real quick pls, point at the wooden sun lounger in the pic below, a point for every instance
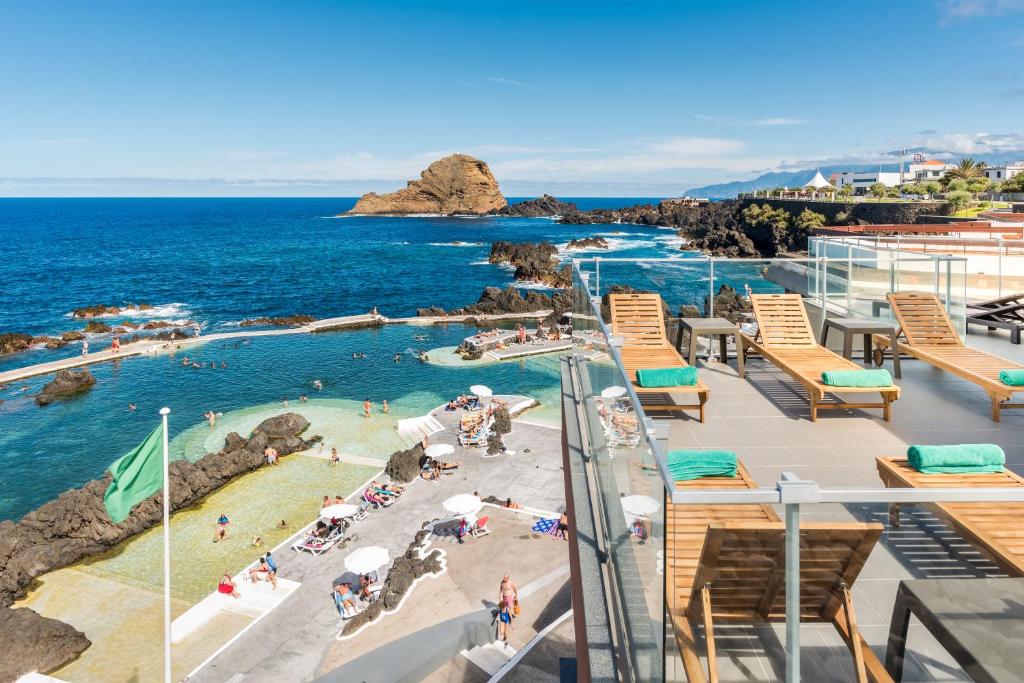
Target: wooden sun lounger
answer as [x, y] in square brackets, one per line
[931, 337]
[995, 527]
[1006, 313]
[639, 319]
[787, 340]
[727, 563]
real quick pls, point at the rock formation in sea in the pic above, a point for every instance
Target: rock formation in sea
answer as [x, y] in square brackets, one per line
[281, 321]
[102, 310]
[96, 327]
[495, 301]
[534, 262]
[33, 642]
[65, 383]
[456, 184]
[11, 342]
[596, 242]
[541, 207]
[76, 526]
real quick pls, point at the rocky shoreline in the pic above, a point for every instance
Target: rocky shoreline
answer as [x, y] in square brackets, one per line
[75, 526]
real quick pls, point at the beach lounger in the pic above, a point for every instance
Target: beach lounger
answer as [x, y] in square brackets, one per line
[726, 563]
[640, 321]
[481, 527]
[1005, 313]
[992, 526]
[786, 339]
[319, 546]
[931, 338]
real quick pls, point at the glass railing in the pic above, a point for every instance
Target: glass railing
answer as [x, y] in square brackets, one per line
[769, 575]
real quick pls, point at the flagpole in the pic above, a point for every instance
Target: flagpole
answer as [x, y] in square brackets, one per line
[167, 553]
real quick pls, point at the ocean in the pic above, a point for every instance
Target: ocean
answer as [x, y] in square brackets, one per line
[219, 261]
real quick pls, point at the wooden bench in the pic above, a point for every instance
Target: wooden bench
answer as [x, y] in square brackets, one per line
[640, 321]
[726, 563]
[931, 338]
[787, 340]
[992, 526]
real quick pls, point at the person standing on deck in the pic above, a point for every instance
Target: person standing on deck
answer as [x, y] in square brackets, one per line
[367, 407]
[85, 347]
[385, 408]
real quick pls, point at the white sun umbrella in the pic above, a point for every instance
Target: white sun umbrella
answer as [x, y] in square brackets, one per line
[339, 510]
[613, 392]
[463, 504]
[481, 390]
[366, 560]
[639, 505]
[437, 450]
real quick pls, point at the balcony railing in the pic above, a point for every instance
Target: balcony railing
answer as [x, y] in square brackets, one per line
[625, 452]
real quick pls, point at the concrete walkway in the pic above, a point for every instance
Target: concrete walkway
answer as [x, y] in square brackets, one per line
[291, 642]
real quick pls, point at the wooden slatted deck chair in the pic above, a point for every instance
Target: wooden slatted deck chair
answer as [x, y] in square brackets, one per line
[639, 319]
[1006, 313]
[726, 563]
[785, 338]
[931, 337]
[994, 527]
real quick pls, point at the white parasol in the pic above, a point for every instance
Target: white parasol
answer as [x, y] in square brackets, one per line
[339, 511]
[481, 390]
[613, 392]
[463, 504]
[366, 560]
[639, 505]
[437, 450]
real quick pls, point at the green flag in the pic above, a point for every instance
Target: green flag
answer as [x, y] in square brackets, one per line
[137, 476]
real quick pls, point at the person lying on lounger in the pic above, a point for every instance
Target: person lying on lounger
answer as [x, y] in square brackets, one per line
[343, 598]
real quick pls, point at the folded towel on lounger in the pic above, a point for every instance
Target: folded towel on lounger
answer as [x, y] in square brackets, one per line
[686, 464]
[667, 377]
[966, 458]
[857, 378]
[1013, 378]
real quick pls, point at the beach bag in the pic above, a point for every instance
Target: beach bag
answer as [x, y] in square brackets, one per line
[515, 607]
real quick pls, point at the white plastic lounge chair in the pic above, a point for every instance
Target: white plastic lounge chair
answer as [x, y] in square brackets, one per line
[319, 546]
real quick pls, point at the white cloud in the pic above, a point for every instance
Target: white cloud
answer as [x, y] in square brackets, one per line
[501, 80]
[778, 121]
[980, 8]
[976, 143]
[249, 154]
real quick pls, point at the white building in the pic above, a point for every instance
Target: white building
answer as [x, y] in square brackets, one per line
[862, 180]
[998, 174]
[925, 171]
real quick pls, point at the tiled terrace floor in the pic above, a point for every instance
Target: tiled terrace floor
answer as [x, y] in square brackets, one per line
[765, 420]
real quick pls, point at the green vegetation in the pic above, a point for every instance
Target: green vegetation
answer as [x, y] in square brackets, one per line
[959, 200]
[931, 187]
[808, 220]
[965, 170]
[764, 215]
[1014, 184]
[877, 190]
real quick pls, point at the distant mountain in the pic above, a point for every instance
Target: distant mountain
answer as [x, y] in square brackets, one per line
[767, 181]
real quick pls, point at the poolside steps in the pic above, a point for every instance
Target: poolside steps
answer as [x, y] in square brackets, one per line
[524, 350]
[413, 429]
[257, 600]
[490, 657]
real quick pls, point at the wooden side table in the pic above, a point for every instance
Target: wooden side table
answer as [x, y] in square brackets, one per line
[851, 327]
[709, 327]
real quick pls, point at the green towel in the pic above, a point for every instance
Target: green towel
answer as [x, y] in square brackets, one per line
[1014, 378]
[666, 377]
[857, 378]
[685, 464]
[966, 458]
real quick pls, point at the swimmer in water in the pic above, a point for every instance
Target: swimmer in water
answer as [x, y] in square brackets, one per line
[131, 407]
[318, 385]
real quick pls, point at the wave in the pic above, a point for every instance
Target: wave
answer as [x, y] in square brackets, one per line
[173, 312]
[456, 244]
[613, 245]
[520, 284]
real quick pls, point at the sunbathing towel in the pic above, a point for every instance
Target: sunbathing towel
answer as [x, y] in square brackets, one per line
[857, 378]
[666, 377]
[686, 464]
[1013, 378]
[544, 526]
[964, 458]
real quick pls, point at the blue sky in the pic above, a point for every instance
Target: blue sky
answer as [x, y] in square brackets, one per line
[574, 97]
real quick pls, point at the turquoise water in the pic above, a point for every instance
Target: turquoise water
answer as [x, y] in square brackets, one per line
[44, 451]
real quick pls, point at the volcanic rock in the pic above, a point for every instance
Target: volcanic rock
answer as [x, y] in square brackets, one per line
[534, 262]
[288, 320]
[65, 383]
[545, 205]
[14, 341]
[33, 642]
[97, 327]
[502, 421]
[73, 335]
[100, 309]
[456, 184]
[405, 466]
[588, 243]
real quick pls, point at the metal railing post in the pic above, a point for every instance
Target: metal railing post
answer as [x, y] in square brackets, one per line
[824, 292]
[849, 278]
[793, 491]
[999, 261]
[711, 288]
[597, 276]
